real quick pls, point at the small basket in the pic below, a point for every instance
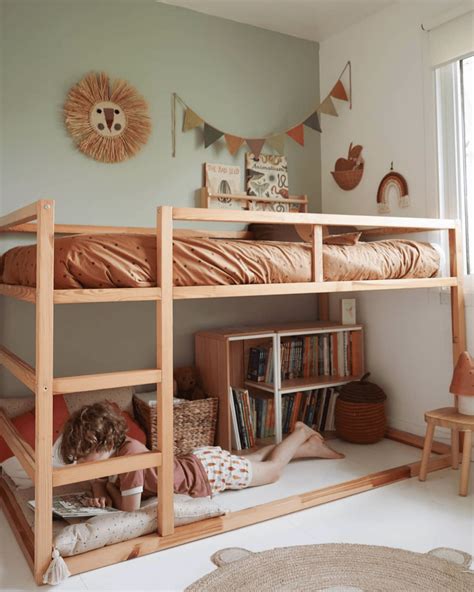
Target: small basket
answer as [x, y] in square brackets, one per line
[194, 423]
[348, 180]
[360, 412]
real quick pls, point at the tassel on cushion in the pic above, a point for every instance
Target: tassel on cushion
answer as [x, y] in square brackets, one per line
[57, 570]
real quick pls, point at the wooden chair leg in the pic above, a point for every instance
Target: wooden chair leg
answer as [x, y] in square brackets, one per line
[426, 451]
[466, 463]
[455, 448]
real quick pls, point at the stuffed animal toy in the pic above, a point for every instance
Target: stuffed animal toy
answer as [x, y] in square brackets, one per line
[189, 383]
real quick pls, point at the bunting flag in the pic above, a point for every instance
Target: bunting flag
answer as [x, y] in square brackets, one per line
[313, 122]
[211, 135]
[255, 145]
[327, 106]
[233, 143]
[191, 120]
[297, 133]
[277, 143]
[341, 90]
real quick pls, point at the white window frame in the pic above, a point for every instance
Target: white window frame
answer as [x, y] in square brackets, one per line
[451, 164]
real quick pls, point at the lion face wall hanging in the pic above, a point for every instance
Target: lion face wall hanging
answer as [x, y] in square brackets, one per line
[108, 121]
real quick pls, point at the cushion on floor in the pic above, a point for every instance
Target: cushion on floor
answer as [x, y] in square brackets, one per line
[109, 529]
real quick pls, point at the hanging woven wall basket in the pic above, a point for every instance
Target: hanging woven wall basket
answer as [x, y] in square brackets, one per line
[348, 171]
[360, 412]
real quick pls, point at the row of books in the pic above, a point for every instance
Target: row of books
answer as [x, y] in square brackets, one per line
[324, 354]
[253, 415]
[315, 408]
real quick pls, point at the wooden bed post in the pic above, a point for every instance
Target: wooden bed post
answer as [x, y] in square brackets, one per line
[458, 318]
[43, 539]
[164, 355]
[317, 271]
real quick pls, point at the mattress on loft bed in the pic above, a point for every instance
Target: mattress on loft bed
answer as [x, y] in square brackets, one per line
[93, 533]
[129, 261]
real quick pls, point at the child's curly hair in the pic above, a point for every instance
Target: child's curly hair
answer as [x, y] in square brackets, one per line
[94, 428]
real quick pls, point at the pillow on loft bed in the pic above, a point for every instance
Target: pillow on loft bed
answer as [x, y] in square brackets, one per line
[302, 233]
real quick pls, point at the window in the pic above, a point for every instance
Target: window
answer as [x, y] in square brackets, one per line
[455, 123]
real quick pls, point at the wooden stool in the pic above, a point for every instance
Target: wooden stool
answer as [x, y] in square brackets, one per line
[448, 417]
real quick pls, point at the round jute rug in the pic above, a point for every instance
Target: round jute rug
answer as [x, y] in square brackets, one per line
[338, 568]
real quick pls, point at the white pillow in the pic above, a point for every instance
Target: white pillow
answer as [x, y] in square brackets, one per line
[17, 473]
[116, 527]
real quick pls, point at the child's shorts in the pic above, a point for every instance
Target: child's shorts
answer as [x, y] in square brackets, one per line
[224, 470]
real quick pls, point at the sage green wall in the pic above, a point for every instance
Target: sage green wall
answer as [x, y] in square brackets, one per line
[243, 79]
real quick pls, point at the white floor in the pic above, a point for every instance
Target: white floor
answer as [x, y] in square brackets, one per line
[411, 515]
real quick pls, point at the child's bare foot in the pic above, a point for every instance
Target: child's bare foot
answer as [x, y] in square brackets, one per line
[309, 431]
[316, 448]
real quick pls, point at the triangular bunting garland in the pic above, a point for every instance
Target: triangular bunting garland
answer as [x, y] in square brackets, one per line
[339, 92]
[297, 133]
[327, 106]
[191, 120]
[211, 135]
[233, 143]
[277, 143]
[313, 122]
[255, 145]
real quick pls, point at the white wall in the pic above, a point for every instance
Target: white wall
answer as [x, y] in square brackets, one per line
[244, 79]
[408, 339]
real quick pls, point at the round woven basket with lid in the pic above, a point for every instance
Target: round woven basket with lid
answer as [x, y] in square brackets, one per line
[360, 412]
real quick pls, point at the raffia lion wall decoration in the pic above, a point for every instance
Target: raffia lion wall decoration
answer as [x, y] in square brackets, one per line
[108, 121]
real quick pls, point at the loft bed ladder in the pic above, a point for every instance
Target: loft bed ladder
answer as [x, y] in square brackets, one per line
[40, 380]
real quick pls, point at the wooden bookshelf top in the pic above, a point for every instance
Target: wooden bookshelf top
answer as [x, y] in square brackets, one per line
[283, 328]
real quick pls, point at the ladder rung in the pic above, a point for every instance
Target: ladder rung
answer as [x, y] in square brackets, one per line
[103, 468]
[95, 382]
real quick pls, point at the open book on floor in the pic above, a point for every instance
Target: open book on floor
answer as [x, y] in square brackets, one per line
[72, 505]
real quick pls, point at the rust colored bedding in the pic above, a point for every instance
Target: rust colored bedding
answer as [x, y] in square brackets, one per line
[129, 261]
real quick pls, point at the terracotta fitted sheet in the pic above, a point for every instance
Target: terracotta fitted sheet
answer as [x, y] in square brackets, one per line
[129, 261]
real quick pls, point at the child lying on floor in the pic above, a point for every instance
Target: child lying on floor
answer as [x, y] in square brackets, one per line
[97, 432]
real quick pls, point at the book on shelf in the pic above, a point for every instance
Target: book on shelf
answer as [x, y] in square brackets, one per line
[260, 365]
[73, 505]
[242, 415]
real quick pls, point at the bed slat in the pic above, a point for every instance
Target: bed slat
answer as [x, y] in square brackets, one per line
[95, 382]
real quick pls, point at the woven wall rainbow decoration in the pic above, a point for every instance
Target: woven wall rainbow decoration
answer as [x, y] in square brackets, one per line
[392, 181]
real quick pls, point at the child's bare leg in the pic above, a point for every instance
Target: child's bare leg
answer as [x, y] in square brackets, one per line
[303, 442]
[268, 471]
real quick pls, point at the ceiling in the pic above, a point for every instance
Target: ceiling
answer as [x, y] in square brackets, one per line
[315, 20]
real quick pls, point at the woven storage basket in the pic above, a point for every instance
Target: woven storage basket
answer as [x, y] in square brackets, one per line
[360, 412]
[194, 423]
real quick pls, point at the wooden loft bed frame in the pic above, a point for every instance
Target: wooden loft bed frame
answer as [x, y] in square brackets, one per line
[41, 381]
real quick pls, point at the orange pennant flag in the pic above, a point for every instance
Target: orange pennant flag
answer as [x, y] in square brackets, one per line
[233, 143]
[339, 92]
[297, 133]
